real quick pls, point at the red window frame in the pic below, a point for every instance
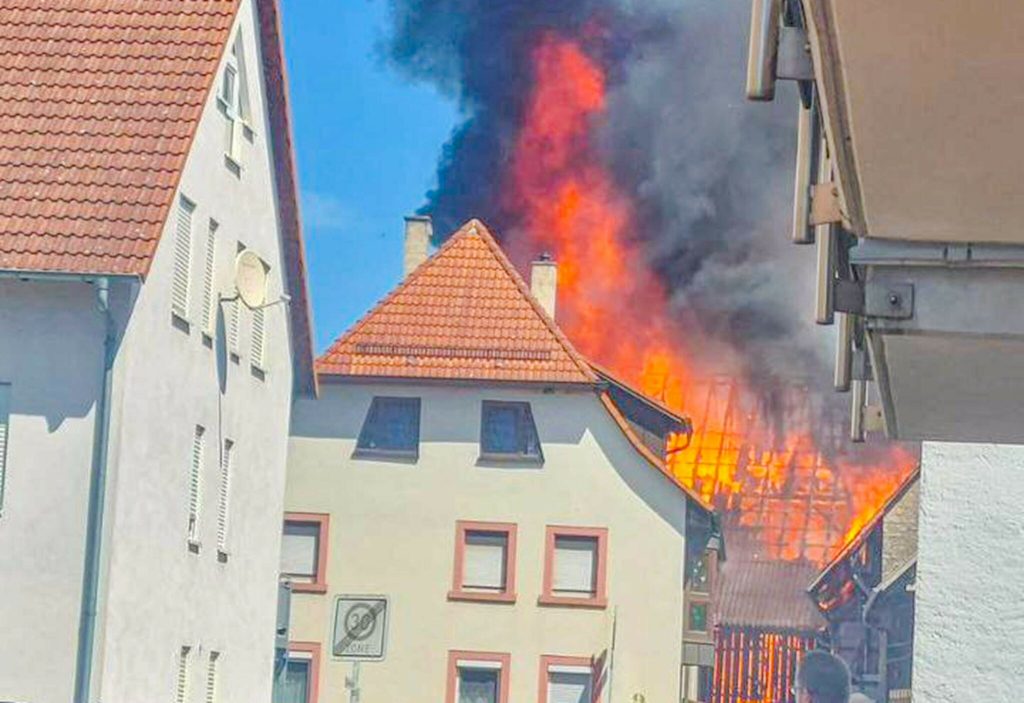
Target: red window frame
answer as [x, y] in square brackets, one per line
[313, 649]
[457, 593]
[600, 597]
[596, 666]
[323, 522]
[454, 655]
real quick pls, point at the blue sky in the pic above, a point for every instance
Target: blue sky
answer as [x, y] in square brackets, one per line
[367, 141]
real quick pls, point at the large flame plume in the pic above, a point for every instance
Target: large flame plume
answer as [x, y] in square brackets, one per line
[776, 469]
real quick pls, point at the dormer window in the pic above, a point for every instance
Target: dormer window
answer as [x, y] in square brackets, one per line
[507, 432]
[391, 428]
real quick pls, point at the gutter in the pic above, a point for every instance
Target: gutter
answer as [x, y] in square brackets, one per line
[98, 474]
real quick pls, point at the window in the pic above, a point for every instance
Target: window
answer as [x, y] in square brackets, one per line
[568, 680]
[575, 565]
[182, 680]
[392, 426]
[697, 683]
[507, 431]
[700, 580]
[258, 338]
[209, 294]
[485, 562]
[195, 478]
[234, 313]
[182, 259]
[233, 100]
[697, 616]
[304, 551]
[5, 423]
[299, 682]
[211, 678]
[224, 496]
[477, 677]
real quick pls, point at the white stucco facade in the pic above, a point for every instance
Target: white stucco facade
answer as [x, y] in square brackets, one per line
[970, 574]
[157, 593]
[393, 532]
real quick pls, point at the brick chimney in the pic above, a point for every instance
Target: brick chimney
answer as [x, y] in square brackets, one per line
[418, 231]
[544, 282]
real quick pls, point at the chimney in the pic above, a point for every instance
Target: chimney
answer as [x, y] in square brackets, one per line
[418, 231]
[544, 282]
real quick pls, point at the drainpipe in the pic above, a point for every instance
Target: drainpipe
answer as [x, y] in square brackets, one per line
[97, 492]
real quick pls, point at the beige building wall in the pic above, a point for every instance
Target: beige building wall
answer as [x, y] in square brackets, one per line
[393, 526]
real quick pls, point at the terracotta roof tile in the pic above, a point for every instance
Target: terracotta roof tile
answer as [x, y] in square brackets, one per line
[99, 102]
[464, 314]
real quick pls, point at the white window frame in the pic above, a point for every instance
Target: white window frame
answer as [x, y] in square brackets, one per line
[195, 484]
[258, 339]
[235, 107]
[181, 272]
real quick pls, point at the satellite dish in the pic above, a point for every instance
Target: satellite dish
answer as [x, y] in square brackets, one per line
[250, 279]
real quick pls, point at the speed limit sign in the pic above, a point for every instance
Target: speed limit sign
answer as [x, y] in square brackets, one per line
[360, 628]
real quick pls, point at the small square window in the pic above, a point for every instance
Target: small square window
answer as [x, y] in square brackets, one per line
[697, 617]
[484, 562]
[304, 551]
[575, 567]
[507, 431]
[477, 677]
[392, 426]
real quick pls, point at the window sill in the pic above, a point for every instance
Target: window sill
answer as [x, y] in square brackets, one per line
[472, 597]
[572, 602]
[235, 358]
[510, 460]
[207, 340]
[222, 556]
[180, 321]
[194, 546]
[298, 587]
[258, 372]
[386, 455]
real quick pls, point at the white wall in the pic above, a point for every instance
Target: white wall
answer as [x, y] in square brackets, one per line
[969, 637]
[160, 595]
[51, 346]
[392, 531]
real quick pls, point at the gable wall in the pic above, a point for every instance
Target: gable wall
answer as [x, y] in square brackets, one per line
[392, 532]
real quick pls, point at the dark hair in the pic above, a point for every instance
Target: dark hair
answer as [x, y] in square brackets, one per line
[824, 676]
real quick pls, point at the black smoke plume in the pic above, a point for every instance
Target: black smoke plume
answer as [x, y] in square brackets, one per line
[710, 174]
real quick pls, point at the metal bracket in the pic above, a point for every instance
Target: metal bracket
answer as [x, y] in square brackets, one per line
[794, 57]
[825, 204]
[894, 301]
[848, 296]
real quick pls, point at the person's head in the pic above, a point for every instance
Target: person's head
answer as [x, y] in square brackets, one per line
[822, 678]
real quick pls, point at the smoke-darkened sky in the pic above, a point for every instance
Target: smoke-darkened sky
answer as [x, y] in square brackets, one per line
[709, 174]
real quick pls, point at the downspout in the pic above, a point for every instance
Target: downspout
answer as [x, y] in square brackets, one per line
[97, 493]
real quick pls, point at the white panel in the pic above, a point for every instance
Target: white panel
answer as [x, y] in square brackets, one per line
[182, 258]
[5, 414]
[224, 496]
[484, 560]
[299, 549]
[195, 478]
[575, 565]
[209, 268]
[565, 687]
[233, 314]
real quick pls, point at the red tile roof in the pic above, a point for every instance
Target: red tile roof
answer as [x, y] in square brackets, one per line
[99, 102]
[766, 594]
[464, 314]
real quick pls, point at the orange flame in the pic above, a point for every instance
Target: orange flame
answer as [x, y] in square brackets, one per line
[788, 490]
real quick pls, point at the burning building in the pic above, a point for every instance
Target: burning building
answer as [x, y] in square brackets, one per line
[597, 130]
